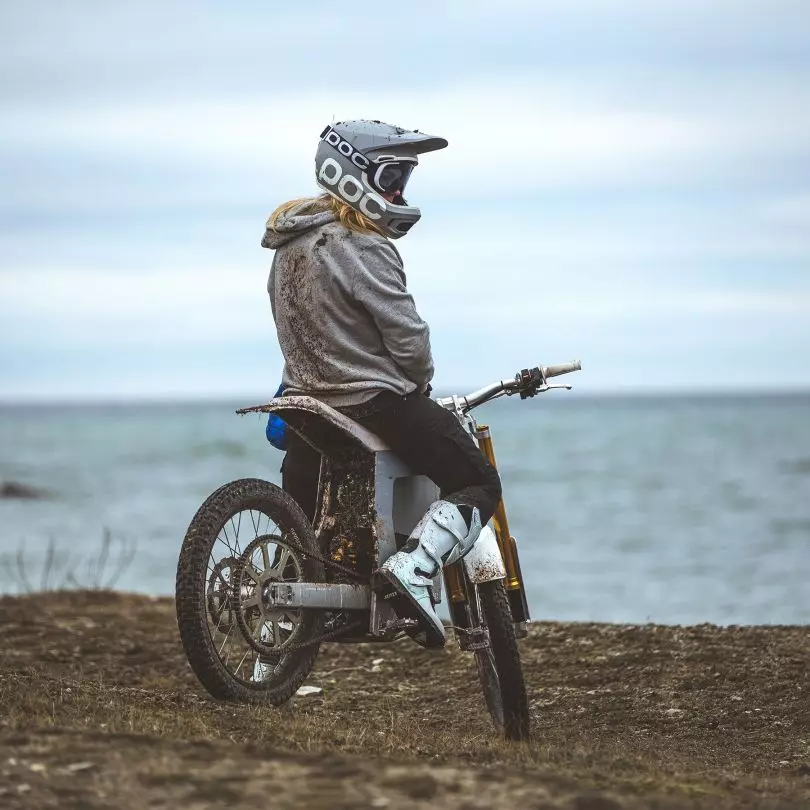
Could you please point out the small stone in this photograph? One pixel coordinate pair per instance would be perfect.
(305, 691)
(380, 801)
(11, 761)
(23, 788)
(37, 767)
(376, 668)
(76, 767)
(377, 661)
(784, 762)
(736, 697)
(674, 712)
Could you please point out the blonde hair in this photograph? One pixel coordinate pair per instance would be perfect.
(344, 213)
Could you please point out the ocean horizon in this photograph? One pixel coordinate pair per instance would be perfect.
(673, 507)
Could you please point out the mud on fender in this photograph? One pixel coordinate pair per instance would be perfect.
(483, 562)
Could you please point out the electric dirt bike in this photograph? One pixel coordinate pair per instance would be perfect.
(259, 588)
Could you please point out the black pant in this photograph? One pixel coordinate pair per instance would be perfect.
(429, 439)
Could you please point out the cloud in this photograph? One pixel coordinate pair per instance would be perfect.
(180, 306)
(624, 180)
(511, 139)
(791, 211)
(152, 48)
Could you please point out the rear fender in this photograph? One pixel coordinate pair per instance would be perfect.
(483, 562)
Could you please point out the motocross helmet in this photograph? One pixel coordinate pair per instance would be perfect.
(359, 161)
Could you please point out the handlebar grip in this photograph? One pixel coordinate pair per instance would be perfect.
(562, 368)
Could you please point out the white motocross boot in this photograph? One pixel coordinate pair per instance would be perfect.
(441, 537)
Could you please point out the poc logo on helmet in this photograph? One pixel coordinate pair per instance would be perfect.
(345, 148)
(347, 186)
(350, 188)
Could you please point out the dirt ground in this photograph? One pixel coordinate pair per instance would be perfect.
(98, 708)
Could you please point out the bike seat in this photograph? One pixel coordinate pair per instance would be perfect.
(320, 425)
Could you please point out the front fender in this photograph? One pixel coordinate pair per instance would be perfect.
(483, 562)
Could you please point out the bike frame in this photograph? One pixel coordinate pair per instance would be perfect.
(369, 502)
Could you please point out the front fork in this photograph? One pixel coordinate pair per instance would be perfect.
(460, 589)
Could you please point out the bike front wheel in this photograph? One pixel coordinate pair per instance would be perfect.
(499, 668)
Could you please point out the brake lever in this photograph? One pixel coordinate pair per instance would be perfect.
(540, 389)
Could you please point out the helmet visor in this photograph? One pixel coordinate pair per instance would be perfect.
(391, 176)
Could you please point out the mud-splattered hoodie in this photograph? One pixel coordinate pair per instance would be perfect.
(346, 323)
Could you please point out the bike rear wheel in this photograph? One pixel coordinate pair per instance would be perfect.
(246, 533)
(499, 668)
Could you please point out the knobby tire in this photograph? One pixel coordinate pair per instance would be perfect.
(192, 582)
(498, 618)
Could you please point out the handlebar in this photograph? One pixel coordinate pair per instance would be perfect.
(562, 368)
(527, 383)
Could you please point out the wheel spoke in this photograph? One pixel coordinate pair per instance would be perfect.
(235, 528)
(224, 642)
(267, 528)
(218, 627)
(227, 541)
(239, 665)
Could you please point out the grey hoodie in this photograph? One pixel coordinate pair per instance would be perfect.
(346, 324)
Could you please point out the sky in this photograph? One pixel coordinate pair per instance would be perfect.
(627, 183)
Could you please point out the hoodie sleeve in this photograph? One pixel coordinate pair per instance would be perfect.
(379, 285)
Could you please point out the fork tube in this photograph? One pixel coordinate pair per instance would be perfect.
(454, 583)
(506, 543)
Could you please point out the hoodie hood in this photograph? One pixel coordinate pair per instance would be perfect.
(294, 223)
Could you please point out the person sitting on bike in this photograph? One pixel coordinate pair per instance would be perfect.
(351, 337)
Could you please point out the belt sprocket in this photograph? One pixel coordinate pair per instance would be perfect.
(270, 630)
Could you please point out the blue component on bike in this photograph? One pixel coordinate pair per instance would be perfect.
(276, 430)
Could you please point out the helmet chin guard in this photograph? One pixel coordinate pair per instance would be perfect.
(358, 161)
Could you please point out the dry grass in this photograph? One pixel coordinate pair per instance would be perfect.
(623, 716)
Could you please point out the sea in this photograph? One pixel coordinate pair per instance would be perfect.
(678, 509)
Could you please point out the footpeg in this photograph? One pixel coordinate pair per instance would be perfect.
(400, 624)
(472, 640)
(396, 626)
